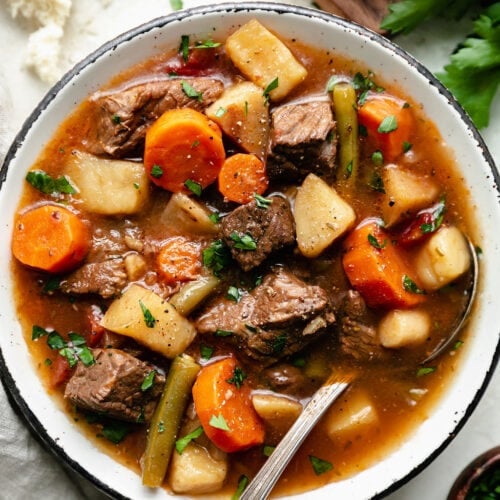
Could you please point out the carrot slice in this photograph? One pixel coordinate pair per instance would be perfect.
(377, 270)
(241, 176)
(389, 123)
(183, 145)
(225, 409)
(179, 260)
(50, 238)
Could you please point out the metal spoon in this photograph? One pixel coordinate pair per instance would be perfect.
(261, 485)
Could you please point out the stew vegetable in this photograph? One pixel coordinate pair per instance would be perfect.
(207, 238)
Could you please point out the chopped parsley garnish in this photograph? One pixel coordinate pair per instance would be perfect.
(242, 484)
(215, 217)
(261, 201)
(377, 183)
(52, 284)
(156, 171)
(364, 84)
(267, 91)
(375, 243)
(425, 370)
(116, 119)
(47, 362)
(191, 91)
(223, 333)
(207, 44)
(319, 465)
(219, 422)
(410, 286)
(115, 431)
(161, 427)
(234, 293)
(48, 185)
(206, 352)
(279, 343)
(238, 377)
(348, 170)
(407, 146)
(217, 256)
(378, 158)
(176, 4)
(184, 47)
(388, 124)
(194, 187)
(149, 319)
(244, 242)
(436, 216)
(148, 381)
(268, 450)
(180, 444)
(458, 344)
(220, 112)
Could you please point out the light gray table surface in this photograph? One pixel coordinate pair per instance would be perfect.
(26, 471)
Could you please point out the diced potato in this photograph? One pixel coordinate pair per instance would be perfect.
(192, 294)
(135, 266)
(108, 187)
(354, 413)
(186, 215)
(402, 328)
(278, 412)
(243, 115)
(321, 216)
(262, 57)
(150, 320)
(444, 257)
(200, 468)
(405, 194)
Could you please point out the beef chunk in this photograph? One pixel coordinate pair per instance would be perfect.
(286, 379)
(123, 116)
(112, 386)
(276, 319)
(358, 338)
(271, 228)
(303, 140)
(107, 279)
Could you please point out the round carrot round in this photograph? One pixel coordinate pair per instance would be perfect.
(225, 409)
(241, 176)
(183, 145)
(50, 238)
(179, 260)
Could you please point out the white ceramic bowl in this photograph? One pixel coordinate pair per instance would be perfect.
(314, 28)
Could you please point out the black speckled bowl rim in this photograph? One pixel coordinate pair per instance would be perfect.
(17, 401)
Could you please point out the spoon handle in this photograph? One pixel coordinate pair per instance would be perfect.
(264, 481)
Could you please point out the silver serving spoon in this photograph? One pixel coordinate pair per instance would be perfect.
(261, 485)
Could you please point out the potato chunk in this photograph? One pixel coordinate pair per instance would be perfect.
(351, 414)
(402, 328)
(405, 194)
(150, 320)
(443, 258)
(321, 216)
(108, 187)
(262, 57)
(185, 215)
(241, 112)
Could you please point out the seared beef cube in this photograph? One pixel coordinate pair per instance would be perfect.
(122, 116)
(303, 140)
(358, 338)
(274, 320)
(112, 386)
(107, 279)
(271, 228)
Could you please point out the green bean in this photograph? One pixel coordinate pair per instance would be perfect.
(193, 293)
(167, 419)
(344, 101)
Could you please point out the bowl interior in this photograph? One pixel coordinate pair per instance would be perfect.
(314, 28)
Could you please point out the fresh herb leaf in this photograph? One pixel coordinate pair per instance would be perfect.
(377, 183)
(267, 91)
(206, 352)
(375, 243)
(437, 216)
(176, 5)
(115, 431)
(223, 333)
(161, 427)
(319, 465)
(55, 341)
(37, 332)
(242, 484)
(234, 293)
(116, 119)
(207, 44)
(47, 362)
(378, 158)
(279, 343)
(410, 286)
(46, 184)
(407, 146)
(148, 381)
(194, 187)
(268, 450)
(217, 256)
(238, 377)
(180, 444)
(191, 91)
(425, 370)
(244, 242)
(458, 344)
(220, 112)
(149, 319)
(184, 47)
(52, 284)
(215, 217)
(388, 124)
(219, 422)
(261, 201)
(156, 171)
